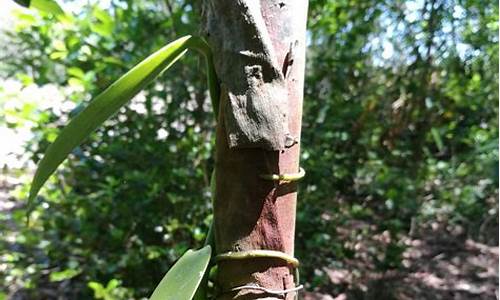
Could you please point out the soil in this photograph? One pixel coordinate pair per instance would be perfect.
(438, 264)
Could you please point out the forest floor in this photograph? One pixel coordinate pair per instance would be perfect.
(438, 264)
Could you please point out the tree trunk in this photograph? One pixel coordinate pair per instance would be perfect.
(259, 54)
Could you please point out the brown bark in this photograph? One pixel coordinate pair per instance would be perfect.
(252, 213)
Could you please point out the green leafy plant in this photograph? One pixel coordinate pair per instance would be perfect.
(183, 279)
(113, 98)
(188, 271)
(112, 290)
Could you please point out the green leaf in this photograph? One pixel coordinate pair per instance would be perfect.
(76, 72)
(112, 284)
(64, 275)
(98, 288)
(104, 25)
(48, 6)
(113, 60)
(182, 280)
(24, 78)
(104, 106)
(437, 139)
(201, 293)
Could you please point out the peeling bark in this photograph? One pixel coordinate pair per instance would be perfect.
(256, 114)
(259, 52)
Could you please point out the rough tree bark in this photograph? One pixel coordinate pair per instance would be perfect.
(259, 54)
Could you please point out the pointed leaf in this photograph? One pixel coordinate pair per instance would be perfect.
(182, 280)
(103, 107)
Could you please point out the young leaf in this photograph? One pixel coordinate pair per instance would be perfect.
(182, 280)
(103, 107)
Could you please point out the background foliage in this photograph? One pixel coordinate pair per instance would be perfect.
(400, 135)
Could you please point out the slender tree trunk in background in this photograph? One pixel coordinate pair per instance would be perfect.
(259, 54)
